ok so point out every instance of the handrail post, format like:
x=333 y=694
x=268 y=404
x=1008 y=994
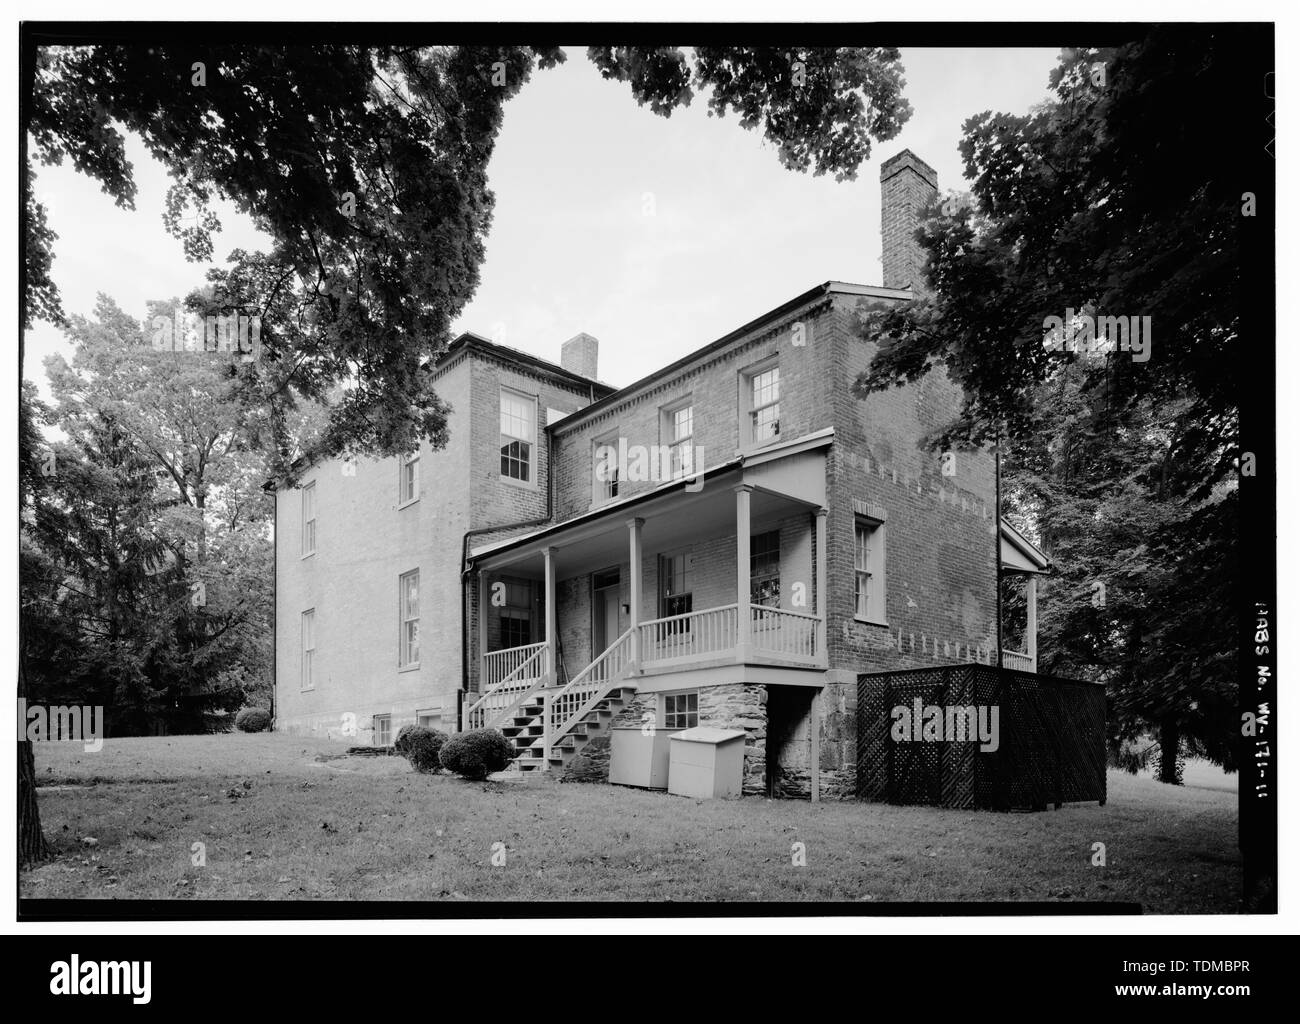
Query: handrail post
x=742 y=572
x=634 y=587
x=548 y=568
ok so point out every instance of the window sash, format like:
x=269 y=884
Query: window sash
x=309 y=519
x=410 y=481
x=681 y=710
x=383 y=726
x=308 y=637
x=765 y=569
x=518 y=417
x=409 y=652
x=866 y=571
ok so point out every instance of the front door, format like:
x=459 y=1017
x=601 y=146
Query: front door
x=604 y=610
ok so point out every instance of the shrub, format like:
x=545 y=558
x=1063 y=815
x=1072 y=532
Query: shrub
x=421 y=747
x=400 y=744
x=253 y=720
x=477 y=754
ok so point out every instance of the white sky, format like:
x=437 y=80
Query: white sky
x=732 y=233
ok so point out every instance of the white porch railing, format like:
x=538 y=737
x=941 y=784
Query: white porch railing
x=503 y=696
x=497 y=665
x=691 y=635
x=1019 y=661
x=570 y=704
x=792 y=635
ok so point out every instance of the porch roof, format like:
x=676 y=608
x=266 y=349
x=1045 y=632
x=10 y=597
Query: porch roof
x=1019 y=554
x=779 y=475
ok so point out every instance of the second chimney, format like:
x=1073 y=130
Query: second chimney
x=578 y=355
x=907 y=186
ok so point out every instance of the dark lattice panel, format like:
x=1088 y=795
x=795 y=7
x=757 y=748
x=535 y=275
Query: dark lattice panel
x=1051 y=736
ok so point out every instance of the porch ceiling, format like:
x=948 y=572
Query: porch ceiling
x=671 y=520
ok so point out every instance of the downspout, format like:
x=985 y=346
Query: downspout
x=997 y=536
x=466 y=569
x=275 y=599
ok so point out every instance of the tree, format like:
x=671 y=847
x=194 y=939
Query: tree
x=1099 y=203
x=367 y=166
x=153 y=533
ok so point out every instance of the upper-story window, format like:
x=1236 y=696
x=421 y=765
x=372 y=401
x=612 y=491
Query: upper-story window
x=762 y=398
x=309 y=519
x=518 y=436
x=679 y=435
x=869 y=570
x=604 y=455
x=408 y=489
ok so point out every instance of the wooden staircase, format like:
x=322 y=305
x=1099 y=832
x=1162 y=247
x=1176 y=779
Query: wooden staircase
x=526 y=730
x=580 y=710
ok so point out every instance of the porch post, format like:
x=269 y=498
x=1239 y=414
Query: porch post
x=634 y=586
x=742 y=572
x=1031 y=623
x=815 y=737
x=822 y=588
x=548 y=562
x=482 y=626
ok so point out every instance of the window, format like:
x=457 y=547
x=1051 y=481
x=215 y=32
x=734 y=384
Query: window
x=308 y=630
x=383 y=726
x=518 y=436
x=765 y=569
x=674 y=592
x=408 y=655
x=764 y=396
x=605 y=458
x=429 y=719
x=517 y=615
x=309 y=519
x=681 y=710
x=409 y=485
x=869 y=570
x=679 y=429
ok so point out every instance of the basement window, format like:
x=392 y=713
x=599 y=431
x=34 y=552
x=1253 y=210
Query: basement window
x=681 y=710
x=383 y=730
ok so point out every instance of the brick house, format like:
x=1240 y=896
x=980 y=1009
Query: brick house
x=728 y=541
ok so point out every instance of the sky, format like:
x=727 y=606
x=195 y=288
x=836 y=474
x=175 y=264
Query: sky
x=656 y=235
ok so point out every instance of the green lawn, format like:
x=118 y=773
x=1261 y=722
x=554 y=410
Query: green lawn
x=309 y=823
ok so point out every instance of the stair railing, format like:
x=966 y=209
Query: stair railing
x=499 y=700
x=588 y=688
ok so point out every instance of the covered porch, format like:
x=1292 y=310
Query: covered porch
x=703 y=580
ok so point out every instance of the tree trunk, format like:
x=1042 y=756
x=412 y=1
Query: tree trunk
x=1169 y=742
x=31 y=840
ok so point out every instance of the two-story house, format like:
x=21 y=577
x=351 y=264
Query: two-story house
x=730 y=540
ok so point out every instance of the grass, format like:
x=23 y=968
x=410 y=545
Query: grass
x=307 y=822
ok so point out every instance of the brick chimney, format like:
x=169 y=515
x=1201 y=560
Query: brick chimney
x=907 y=186
x=578 y=355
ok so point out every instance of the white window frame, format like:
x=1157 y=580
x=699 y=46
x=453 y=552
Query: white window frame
x=750 y=408
x=679 y=444
x=420 y=717
x=604 y=491
x=686 y=712
x=307 y=650
x=507 y=438
x=408 y=479
x=388 y=730
x=308 y=521
x=405 y=620
x=873 y=570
